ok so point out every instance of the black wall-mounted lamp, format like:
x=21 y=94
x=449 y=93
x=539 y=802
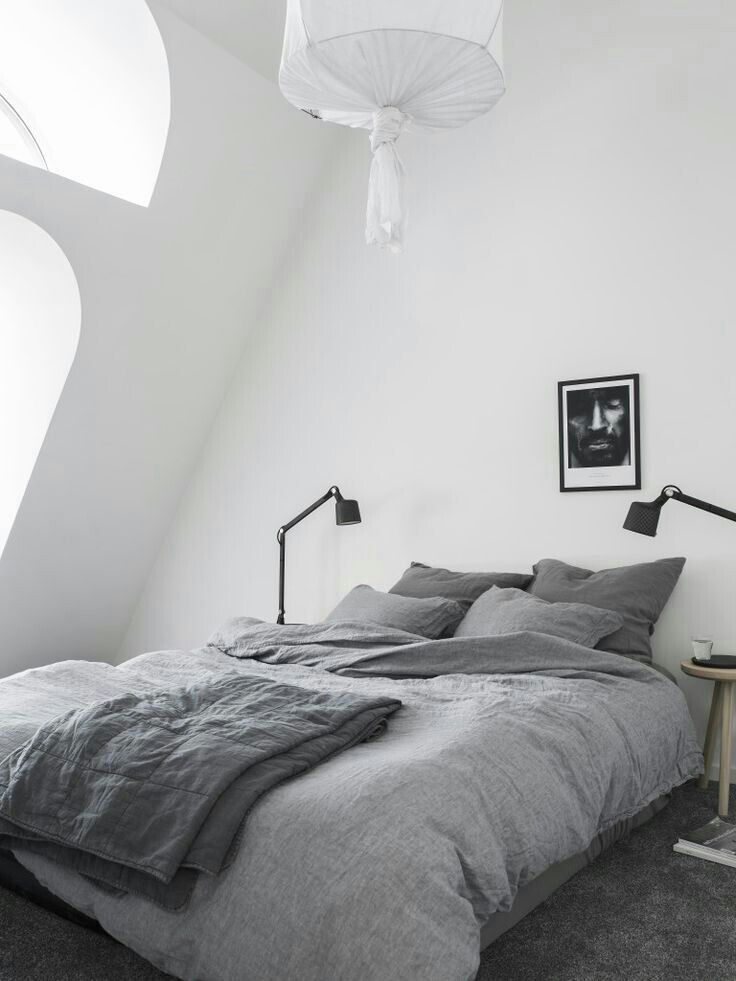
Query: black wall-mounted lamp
x=643 y=517
x=346 y=513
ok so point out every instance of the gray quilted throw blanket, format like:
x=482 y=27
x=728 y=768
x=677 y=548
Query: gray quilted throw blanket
x=142 y=793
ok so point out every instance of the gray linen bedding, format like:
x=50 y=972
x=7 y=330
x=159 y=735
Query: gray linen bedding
x=144 y=792
x=510 y=754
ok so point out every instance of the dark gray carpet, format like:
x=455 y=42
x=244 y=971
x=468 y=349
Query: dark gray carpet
x=640 y=913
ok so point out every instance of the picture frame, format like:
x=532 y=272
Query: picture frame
x=599 y=433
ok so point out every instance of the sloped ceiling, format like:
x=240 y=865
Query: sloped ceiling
x=168 y=295
x=252 y=30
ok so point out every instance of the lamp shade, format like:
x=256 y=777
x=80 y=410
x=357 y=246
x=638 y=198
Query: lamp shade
x=385 y=65
x=643 y=518
x=347 y=512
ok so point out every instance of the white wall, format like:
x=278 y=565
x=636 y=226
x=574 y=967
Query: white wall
x=168 y=294
x=584 y=228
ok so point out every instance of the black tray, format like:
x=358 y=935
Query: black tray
x=717 y=661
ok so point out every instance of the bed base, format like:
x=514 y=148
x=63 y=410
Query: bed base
x=16 y=878
x=535 y=892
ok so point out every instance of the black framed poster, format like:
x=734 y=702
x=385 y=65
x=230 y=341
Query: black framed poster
x=599 y=433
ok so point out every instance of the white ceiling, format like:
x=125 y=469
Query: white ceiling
x=252 y=30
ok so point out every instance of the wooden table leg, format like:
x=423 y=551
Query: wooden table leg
x=716 y=704
x=726 y=736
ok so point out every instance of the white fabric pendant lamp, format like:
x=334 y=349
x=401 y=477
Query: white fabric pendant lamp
x=390 y=65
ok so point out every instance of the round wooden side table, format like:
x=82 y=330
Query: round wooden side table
x=721 y=710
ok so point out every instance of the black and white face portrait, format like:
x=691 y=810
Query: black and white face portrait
x=599 y=434
x=598 y=427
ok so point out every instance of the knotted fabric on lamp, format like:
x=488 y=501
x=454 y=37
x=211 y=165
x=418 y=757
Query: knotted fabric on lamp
x=391 y=65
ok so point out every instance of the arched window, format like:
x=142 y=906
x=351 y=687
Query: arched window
x=84 y=92
x=40 y=319
x=16 y=138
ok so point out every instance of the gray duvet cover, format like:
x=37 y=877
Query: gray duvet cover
x=510 y=754
x=145 y=792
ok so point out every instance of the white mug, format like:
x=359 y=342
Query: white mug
x=702 y=648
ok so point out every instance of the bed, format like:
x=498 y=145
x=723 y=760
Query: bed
x=513 y=761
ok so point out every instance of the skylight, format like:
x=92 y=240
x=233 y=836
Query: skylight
x=40 y=315
x=16 y=138
x=84 y=92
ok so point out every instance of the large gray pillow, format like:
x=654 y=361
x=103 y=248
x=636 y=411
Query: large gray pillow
x=464 y=587
x=429 y=617
x=506 y=611
x=638 y=592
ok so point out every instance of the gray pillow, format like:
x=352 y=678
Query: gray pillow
x=429 y=617
x=505 y=611
x=638 y=592
x=464 y=587
x=229 y=633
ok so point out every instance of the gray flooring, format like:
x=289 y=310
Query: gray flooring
x=640 y=913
